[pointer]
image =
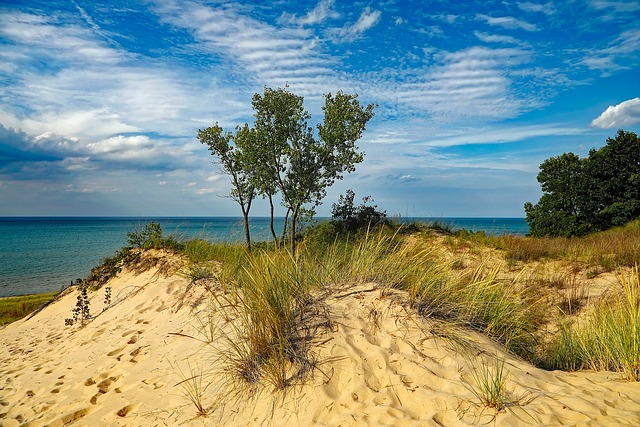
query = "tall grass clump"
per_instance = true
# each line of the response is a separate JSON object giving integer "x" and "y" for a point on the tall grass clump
{"x": 489, "y": 382}
{"x": 609, "y": 339}
{"x": 266, "y": 313}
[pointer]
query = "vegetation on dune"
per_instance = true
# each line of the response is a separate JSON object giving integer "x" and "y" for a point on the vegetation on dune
{"x": 282, "y": 155}
{"x": 606, "y": 250}
{"x": 16, "y": 308}
{"x": 608, "y": 338}
{"x": 582, "y": 196}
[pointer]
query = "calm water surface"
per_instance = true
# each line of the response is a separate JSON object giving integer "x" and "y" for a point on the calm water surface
{"x": 46, "y": 254}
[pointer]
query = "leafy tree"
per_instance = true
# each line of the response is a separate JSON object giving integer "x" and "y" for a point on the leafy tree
{"x": 612, "y": 183}
{"x": 225, "y": 147}
{"x": 301, "y": 165}
{"x": 586, "y": 195}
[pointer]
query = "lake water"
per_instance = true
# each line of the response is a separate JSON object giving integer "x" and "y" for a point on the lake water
{"x": 45, "y": 254}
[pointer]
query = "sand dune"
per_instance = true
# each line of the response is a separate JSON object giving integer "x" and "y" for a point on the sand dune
{"x": 378, "y": 364}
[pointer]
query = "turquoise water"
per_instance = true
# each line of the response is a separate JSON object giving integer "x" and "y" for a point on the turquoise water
{"x": 46, "y": 254}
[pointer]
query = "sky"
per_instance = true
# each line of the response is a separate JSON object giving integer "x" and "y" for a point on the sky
{"x": 101, "y": 101}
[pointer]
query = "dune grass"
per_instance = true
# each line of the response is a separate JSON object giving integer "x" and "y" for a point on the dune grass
{"x": 619, "y": 246}
{"x": 269, "y": 296}
{"x": 608, "y": 339}
{"x": 15, "y": 308}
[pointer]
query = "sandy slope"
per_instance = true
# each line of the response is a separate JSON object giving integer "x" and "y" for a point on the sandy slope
{"x": 379, "y": 364}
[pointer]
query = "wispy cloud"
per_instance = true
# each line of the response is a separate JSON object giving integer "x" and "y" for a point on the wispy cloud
{"x": 496, "y": 38}
{"x": 470, "y": 83}
{"x": 619, "y": 55}
{"x": 324, "y": 10}
{"x": 368, "y": 18}
{"x": 626, "y": 113}
{"x": 617, "y": 6}
{"x": 508, "y": 22}
{"x": 261, "y": 53}
{"x": 546, "y": 8}
{"x": 504, "y": 135}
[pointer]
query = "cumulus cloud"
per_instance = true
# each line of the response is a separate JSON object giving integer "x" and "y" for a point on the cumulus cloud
{"x": 624, "y": 114}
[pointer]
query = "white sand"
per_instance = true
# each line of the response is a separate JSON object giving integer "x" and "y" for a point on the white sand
{"x": 379, "y": 365}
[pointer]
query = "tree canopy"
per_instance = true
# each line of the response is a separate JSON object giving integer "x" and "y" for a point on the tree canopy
{"x": 282, "y": 155}
{"x": 581, "y": 196}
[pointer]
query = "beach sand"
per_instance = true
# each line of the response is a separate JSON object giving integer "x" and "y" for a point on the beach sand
{"x": 378, "y": 363}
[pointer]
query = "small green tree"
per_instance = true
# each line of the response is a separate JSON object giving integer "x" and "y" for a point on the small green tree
{"x": 146, "y": 236}
{"x": 301, "y": 165}
{"x": 225, "y": 148}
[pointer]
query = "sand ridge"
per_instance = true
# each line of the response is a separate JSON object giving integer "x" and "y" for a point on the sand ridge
{"x": 378, "y": 364}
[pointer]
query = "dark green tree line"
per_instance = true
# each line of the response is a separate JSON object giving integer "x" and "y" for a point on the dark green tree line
{"x": 582, "y": 196}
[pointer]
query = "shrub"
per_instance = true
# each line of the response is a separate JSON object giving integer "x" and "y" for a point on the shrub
{"x": 349, "y": 218}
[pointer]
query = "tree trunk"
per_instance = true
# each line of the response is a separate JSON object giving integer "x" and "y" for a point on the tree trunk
{"x": 292, "y": 232}
{"x": 273, "y": 232}
{"x": 283, "y": 239}
{"x": 246, "y": 229}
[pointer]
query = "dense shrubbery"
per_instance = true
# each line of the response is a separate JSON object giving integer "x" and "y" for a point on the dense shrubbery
{"x": 596, "y": 193}
{"x": 350, "y": 218}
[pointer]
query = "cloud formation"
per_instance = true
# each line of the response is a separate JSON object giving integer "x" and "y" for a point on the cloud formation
{"x": 626, "y": 113}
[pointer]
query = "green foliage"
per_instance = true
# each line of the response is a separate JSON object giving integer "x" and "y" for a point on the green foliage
{"x": 350, "y": 218}
{"x": 228, "y": 152}
{"x": 581, "y": 196}
{"x": 15, "y": 308}
{"x": 81, "y": 312}
{"x": 144, "y": 237}
{"x": 281, "y": 154}
{"x": 490, "y": 379}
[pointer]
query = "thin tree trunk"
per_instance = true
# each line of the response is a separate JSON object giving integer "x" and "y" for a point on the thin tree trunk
{"x": 283, "y": 239}
{"x": 292, "y": 232}
{"x": 246, "y": 229}
{"x": 273, "y": 231}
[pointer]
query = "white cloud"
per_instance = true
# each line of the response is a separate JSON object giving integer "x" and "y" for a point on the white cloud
{"x": 617, "y": 6}
{"x": 508, "y": 22}
{"x": 494, "y": 38}
{"x": 368, "y": 18}
{"x": 616, "y": 56}
{"x": 624, "y": 114}
{"x": 258, "y": 52}
{"x": 399, "y": 20}
{"x": 470, "y": 83}
{"x": 322, "y": 11}
{"x": 546, "y": 8}
{"x": 503, "y": 135}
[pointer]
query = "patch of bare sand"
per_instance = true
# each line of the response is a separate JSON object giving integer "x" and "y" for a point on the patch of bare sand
{"x": 378, "y": 364}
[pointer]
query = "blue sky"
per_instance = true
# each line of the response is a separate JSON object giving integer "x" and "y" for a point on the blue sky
{"x": 101, "y": 101}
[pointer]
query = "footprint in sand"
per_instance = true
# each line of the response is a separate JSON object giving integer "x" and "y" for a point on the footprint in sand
{"x": 123, "y": 412}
